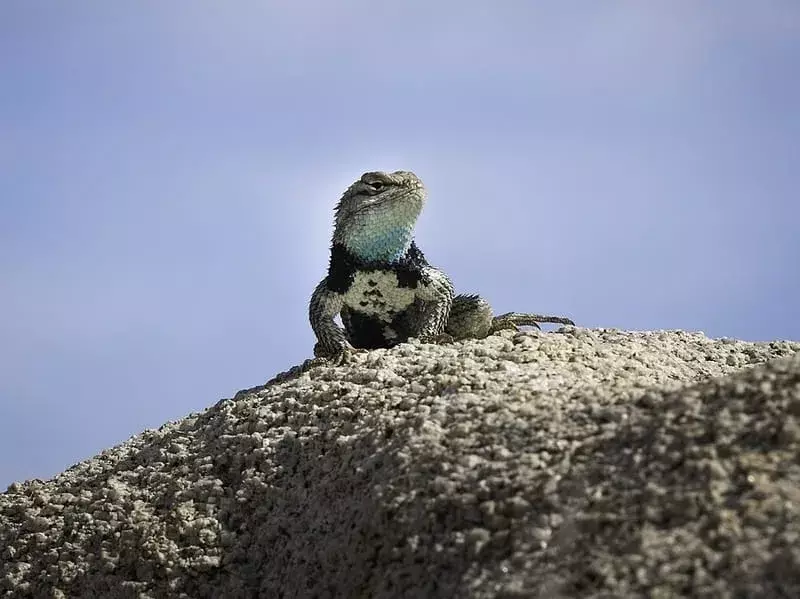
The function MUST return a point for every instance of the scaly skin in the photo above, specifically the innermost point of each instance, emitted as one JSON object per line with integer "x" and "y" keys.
{"x": 382, "y": 286}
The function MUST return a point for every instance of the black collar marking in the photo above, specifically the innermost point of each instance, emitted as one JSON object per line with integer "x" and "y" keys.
{"x": 344, "y": 265}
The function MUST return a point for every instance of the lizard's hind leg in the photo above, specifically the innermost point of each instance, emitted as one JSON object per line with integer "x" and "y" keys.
{"x": 470, "y": 318}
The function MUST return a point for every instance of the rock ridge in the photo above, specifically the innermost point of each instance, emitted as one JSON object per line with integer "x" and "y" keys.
{"x": 579, "y": 463}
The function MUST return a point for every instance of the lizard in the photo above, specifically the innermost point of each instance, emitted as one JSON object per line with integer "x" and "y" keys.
{"x": 381, "y": 285}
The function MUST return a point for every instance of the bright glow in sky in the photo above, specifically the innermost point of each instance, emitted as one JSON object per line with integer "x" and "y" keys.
{"x": 168, "y": 172}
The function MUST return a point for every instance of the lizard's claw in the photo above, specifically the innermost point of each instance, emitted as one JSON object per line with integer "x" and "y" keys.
{"x": 438, "y": 339}
{"x": 342, "y": 356}
{"x": 345, "y": 356}
{"x": 514, "y": 320}
{"x": 504, "y": 324}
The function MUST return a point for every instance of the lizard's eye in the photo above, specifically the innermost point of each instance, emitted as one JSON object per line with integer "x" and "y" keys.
{"x": 376, "y": 185}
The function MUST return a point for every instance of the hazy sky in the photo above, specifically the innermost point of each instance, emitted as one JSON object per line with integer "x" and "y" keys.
{"x": 168, "y": 172}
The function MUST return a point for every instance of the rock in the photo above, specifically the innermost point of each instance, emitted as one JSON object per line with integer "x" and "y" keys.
{"x": 568, "y": 464}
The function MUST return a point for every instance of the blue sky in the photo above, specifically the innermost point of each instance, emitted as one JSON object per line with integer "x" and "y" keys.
{"x": 168, "y": 172}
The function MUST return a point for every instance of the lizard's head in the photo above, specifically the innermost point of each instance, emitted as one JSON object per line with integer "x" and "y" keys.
{"x": 375, "y": 217}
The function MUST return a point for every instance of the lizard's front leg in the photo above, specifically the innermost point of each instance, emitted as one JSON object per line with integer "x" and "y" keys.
{"x": 435, "y": 292}
{"x": 332, "y": 340}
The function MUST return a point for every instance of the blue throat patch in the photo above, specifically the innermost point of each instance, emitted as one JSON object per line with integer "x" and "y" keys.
{"x": 381, "y": 246}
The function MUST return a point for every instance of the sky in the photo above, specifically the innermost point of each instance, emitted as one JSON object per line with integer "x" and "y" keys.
{"x": 168, "y": 172}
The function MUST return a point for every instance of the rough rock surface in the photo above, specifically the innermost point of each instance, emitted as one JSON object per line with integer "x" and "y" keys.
{"x": 571, "y": 464}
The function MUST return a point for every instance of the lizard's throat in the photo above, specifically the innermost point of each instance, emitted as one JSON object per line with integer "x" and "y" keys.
{"x": 388, "y": 245}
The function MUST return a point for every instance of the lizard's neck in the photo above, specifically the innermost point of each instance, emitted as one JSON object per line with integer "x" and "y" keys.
{"x": 388, "y": 245}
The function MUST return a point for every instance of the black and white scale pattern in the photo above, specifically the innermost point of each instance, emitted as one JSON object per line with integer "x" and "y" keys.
{"x": 386, "y": 303}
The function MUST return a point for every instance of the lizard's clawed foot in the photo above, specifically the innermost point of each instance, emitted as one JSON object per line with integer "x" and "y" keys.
{"x": 437, "y": 339}
{"x": 346, "y": 355}
{"x": 339, "y": 357}
{"x": 504, "y": 324}
{"x": 514, "y": 320}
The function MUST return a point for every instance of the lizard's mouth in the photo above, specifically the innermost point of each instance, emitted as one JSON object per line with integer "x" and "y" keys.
{"x": 409, "y": 196}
